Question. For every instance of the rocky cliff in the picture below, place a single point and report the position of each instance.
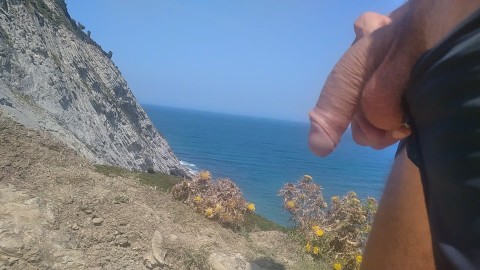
(53, 77)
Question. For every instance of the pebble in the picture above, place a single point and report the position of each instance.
(97, 221)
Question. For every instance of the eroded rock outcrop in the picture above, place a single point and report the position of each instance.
(55, 78)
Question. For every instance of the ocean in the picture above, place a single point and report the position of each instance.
(261, 155)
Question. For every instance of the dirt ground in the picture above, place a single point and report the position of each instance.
(58, 212)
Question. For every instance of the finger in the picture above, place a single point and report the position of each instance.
(341, 92)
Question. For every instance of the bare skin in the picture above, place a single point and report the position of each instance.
(365, 89)
(366, 85)
(400, 236)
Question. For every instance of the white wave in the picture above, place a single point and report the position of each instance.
(192, 168)
(184, 163)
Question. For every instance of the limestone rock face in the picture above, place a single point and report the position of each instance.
(28, 236)
(53, 77)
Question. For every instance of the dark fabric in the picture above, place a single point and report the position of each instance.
(443, 109)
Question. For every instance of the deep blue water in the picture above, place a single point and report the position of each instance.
(260, 155)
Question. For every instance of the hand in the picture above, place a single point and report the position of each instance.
(366, 85)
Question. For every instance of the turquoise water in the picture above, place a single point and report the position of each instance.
(260, 155)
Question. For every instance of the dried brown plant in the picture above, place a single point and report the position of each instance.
(220, 199)
(337, 233)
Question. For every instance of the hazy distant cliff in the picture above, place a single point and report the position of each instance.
(54, 77)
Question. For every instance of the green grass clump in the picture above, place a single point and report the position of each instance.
(256, 222)
(161, 181)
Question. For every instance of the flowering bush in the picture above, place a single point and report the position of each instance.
(221, 199)
(335, 233)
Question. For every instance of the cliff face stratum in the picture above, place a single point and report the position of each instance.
(53, 77)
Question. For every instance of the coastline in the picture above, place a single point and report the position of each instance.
(260, 155)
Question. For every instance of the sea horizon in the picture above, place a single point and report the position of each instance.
(143, 104)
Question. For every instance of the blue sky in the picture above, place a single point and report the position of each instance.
(266, 58)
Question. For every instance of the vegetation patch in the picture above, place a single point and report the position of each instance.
(220, 199)
(254, 222)
(160, 181)
(62, 18)
(335, 233)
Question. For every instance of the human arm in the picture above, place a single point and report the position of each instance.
(400, 237)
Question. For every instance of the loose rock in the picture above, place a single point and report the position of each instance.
(97, 221)
(75, 226)
(158, 251)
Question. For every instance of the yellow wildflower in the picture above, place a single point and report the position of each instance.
(308, 247)
(205, 175)
(315, 228)
(337, 266)
(359, 259)
(218, 208)
(319, 232)
(251, 207)
(209, 212)
(197, 199)
(290, 204)
(316, 250)
(307, 177)
(335, 199)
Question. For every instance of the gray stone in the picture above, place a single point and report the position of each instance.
(220, 261)
(97, 221)
(149, 261)
(158, 251)
(122, 241)
(24, 238)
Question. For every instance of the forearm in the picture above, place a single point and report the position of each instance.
(400, 237)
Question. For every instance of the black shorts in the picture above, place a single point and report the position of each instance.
(443, 108)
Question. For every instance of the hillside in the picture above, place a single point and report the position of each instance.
(54, 77)
(75, 145)
(57, 211)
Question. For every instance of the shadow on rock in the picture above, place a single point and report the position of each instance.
(268, 263)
